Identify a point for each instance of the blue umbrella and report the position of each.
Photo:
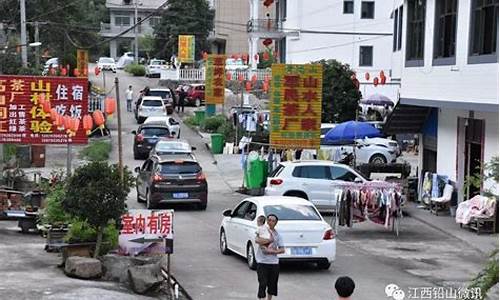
(349, 131)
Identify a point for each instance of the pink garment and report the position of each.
(477, 206)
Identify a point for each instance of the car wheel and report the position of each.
(149, 204)
(323, 265)
(297, 194)
(197, 102)
(252, 264)
(223, 243)
(378, 159)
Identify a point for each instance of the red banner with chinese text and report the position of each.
(296, 93)
(22, 119)
(215, 79)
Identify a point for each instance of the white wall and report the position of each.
(462, 82)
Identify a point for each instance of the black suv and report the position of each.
(146, 137)
(171, 179)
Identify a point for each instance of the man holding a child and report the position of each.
(270, 245)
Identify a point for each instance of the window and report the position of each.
(339, 173)
(241, 210)
(122, 20)
(484, 30)
(154, 21)
(365, 56)
(395, 31)
(251, 212)
(292, 212)
(147, 166)
(277, 171)
(348, 7)
(154, 131)
(282, 5)
(445, 31)
(400, 28)
(186, 167)
(367, 10)
(313, 172)
(415, 33)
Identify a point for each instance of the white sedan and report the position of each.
(306, 236)
(106, 63)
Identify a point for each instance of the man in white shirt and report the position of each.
(129, 95)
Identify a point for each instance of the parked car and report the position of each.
(171, 179)
(311, 180)
(306, 236)
(50, 63)
(126, 59)
(106, 63)
(155, 66)
(146, 137)
(167, 95)
(195, 95)
(325, 127)
(150, 106)
(384, 142)
(172, 147)
(172, 124)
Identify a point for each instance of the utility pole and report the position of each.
(24, 42)
(136, 47)
(37, 50)
(119, 118)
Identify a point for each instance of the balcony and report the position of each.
(265, 28)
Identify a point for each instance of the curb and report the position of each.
(423, 221)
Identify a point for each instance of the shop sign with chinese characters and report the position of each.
(296, 92)
(22, 118)
(82, 58)
(147, 231)
(186, 48)
(215, 79)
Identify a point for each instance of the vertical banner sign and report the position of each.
(147, 231)
(296, 92)
(215, 79)
(82, 59)
(22, 117)
(186, 48)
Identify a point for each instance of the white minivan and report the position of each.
(151, 106)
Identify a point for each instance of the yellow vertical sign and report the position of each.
(186, 48)
(215, 79)
(82, 60)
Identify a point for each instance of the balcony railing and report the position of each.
(199, 74)
(114, 29)
(264, 25)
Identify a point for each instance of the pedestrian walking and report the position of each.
(129, 94)
(345, 287)
(182, 97)
(268, 268)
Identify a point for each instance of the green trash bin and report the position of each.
(217, 143)
(255, 174)
(199, 116)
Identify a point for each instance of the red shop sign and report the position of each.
(22, 117)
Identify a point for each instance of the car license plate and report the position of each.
(180, 195)
(301, 251)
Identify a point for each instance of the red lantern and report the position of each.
(98, 117)
(75, 125)
(367, 76)
(109, 106)
(267, 42)
(59, 121)
(76, 73)
(265, 55)
(375, 81)
(85, 72)
(268, 3)
(64, 71)
(381, 74)
(53, 115)
(254, 78)
(88, 124)
(67, 123)
(383, 80)
(265, 86)
(240, 77)
(97, 71)
(46, 107)
(248, 86)
(228, 76)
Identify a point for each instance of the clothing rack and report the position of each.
(396, 214)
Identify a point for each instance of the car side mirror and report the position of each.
(133, 132)
(227, 213)
(137, 169)
(193, 148)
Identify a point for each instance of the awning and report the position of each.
(406, 118)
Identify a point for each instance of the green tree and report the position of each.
(340, 96)
(95, 194)
(192, 17)
(147, 44)
(263, 64)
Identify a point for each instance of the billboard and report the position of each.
(215, 79)
(22, 118)
(186, 48)
(296, 93)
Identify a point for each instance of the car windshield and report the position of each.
(106, 60)
(172, 146)
(292, 211)
(155, 131)
(183, 167)
(152, 103)
(162, 94)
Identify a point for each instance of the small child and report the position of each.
(263, 232)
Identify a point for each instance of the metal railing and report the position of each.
(96, 102)
(199, 74)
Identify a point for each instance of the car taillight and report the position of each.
(139, 138)
(200, 176)
(276, 181)
(157, 177)
(329, 235)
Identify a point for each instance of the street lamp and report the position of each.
(37, 53)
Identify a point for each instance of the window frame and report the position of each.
(361, 56)
(480, 58)
(400, 26)
(298, 172)
(243, 205)
(410, 24)
(439, 60)
(372, 12)
(344, 7)
(395, 30)
(122, 17)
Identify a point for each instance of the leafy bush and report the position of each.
(136, 69)
(54, 213)
(9, 150)
(488, 277)
(191, 121)
(97, 151)
(81, 232)
(227, 130)
(211, 124)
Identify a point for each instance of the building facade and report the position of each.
(121, 15)
(448, 64)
